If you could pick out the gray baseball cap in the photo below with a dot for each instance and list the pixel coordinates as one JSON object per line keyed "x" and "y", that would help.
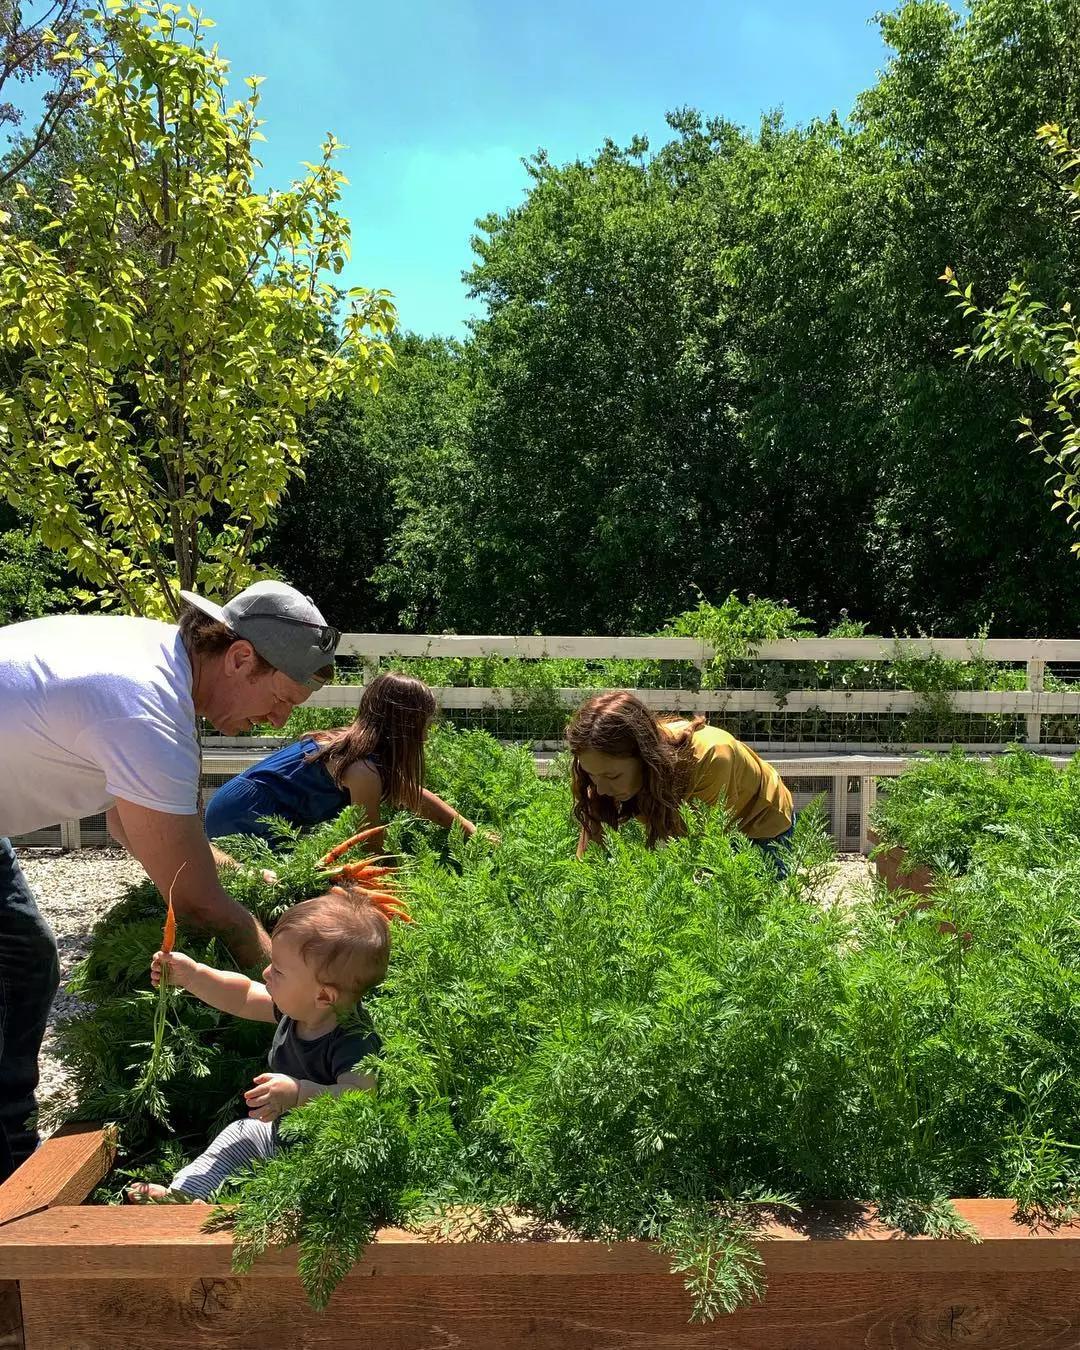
{"x": 283, "y": 626}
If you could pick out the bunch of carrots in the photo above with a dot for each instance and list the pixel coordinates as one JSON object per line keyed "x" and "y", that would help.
{"x": 366, "y": 877}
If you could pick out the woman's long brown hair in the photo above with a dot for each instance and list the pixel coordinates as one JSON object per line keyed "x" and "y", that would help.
{"x": 390, "y": 727}
{"x": 620, "y": 724}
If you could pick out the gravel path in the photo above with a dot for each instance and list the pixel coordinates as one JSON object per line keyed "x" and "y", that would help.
{"x": 74, "y": 890}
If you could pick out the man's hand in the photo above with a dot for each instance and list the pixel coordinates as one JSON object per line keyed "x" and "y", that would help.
{"x": 176, "y": 854}
{"x": 272, "y": 1095}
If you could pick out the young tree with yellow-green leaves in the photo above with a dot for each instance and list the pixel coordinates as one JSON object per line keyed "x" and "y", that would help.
{"x": 167, "y": 330}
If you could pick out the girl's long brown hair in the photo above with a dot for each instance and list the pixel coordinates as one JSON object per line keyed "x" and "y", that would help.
{"x": 390, "y": 728}
{"x": 620, "y": 724}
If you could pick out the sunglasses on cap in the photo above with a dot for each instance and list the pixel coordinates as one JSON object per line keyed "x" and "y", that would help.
{"x": 329, "y": 637}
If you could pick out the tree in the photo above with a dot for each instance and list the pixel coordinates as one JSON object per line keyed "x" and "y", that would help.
{"x": 729, "y": 362}
{"x": 30, "y": 49}
{"x": 382, "y": 518}
{"x": 30, "y": 578}
{"x": 166, "y": 345}
{"x": 1023, "y": 331}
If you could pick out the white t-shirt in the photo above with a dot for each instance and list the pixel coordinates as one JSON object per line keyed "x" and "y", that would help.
{"x": 93, "y": 708}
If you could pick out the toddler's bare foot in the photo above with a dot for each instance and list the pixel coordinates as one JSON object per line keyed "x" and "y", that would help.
{"x": 149, "y": 1193}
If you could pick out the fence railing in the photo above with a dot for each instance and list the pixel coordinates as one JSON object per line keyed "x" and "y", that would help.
{"x": 846, "y": 773}
{"x": 1032, "y": 703}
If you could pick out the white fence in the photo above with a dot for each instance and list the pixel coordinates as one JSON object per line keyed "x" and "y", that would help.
{"x": 847, "y": 774}
{"x": 1032, "y": 703}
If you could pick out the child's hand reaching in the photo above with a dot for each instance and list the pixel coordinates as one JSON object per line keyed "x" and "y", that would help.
{"x": 272, "y": 1095}
{"x": 180, "y": 968}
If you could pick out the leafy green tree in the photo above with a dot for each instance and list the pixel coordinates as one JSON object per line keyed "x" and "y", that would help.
{"x": 1024, "y": 332}
{"x": 30, "y": 44}
{"x": 30, "y": 578}
{"x": 381, "y": 518}
{"x": 727, "y": 362}
{"x": 168, "y": 340}
{"x": 606, "y": 441}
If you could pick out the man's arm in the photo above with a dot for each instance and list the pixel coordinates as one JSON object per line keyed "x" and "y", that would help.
{"x": 175, "y": 853}
{"x": 112, "y": 821}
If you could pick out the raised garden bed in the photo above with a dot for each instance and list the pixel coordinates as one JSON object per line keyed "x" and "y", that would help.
{"x": 897, "y": 873}
{"x": 76, "y": 1277}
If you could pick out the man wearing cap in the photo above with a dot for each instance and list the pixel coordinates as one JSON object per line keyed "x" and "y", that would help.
{"x": 99, "y": 713}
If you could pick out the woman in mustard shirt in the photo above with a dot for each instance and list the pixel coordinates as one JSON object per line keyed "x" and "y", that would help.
{"x": 629, "y": 764}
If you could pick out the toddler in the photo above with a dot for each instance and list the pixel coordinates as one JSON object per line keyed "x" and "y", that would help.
{"x": 326, "y": 954}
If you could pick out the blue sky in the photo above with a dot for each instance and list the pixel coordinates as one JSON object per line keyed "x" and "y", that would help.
{"x": 439, "y": 100}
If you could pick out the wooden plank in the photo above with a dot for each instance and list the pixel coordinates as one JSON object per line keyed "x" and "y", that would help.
{"x": 1036, "y": 675}
{"x": 70, "y": 834}
{"x": 11, "y": 1322}
{"x": 389, "y": 645}
{"x": 105, "y": 1242}
{"x": 791, "y": 760}
{"x": 377, "y": 645}
{"x": 867, "y": 801}
{"x": 838, "y": 813}
{"x": 215, "y": 756}
{"x": 63, "y": 1171}
{"x": 995, "y": 1311}
{"x": 1000, "y": 702}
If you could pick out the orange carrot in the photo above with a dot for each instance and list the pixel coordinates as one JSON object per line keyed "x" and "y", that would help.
{"x": 170, "y": 930}
{"x": 366, "y": 870}
{"x": 388, "y": 904}
{"x": 370, "y": 893}
{"x": 343, "y": 848}
{"x": 391, "y": 909}
{"x": 169, "y": 938}
{"x": 363, "y": 873}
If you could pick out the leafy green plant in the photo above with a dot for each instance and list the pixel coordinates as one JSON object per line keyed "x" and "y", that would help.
{"x": 734, "y": 628}
{"x": 947, "y": 810}
{"x": 1022, "y": 331}
{"x": 654, "y": 1044}
{"x": 29, "y": 579}
{"x": 167, "y": 330}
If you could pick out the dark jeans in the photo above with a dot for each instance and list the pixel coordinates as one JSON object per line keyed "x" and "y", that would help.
{"x": 772, "y": 848}
{"x": 29, "y": 977}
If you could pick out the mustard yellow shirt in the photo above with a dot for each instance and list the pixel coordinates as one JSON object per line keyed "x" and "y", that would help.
{"x": 728, "y": 771}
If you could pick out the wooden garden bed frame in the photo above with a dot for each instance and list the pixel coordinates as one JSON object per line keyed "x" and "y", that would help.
{"x": 76, "y": 1277}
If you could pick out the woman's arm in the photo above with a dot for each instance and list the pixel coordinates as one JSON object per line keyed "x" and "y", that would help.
{"x": 442, "y": 813}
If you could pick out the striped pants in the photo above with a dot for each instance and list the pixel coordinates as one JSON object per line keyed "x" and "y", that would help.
{"x": 235, "y": 1147}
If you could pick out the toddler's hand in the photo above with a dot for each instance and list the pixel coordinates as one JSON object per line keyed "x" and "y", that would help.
{"x": 272, "y": 1095}
{"x": 180, "y": 968}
